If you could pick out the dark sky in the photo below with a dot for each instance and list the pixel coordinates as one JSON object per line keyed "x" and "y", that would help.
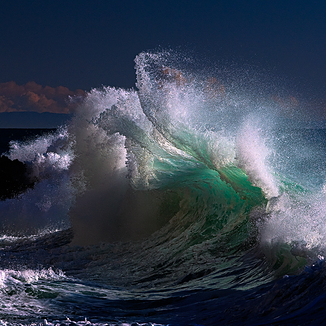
{"x": 85, "y": 44}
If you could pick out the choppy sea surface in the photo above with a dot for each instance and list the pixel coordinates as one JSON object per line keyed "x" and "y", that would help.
{"x": 192, "y": 199}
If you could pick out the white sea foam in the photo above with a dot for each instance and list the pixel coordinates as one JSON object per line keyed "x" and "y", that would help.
{"x": 253, "y": 155}
{"x": 297, "y": 219}
{"x": 9, "y": 278}
{"x": 48, "y": 159}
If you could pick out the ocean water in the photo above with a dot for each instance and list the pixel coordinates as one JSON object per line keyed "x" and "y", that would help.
{"x": 187, "y": 200}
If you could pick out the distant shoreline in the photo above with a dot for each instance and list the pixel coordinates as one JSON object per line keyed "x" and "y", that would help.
{"x": 33, "y": 120}
{"x": 19, "y": 128}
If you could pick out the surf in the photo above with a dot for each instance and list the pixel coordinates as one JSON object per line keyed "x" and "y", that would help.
{"x": 186, "y": 183}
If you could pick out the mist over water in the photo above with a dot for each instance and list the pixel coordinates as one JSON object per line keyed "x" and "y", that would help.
{"x": 191, "y": 183}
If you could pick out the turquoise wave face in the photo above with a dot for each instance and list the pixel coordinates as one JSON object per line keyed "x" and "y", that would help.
{"x": 216, "y": 206}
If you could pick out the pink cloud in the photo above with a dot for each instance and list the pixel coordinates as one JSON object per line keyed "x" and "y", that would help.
{"x": 35, "y": 97}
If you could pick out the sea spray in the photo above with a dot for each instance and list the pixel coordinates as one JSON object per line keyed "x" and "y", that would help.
{"x": 48, "y": 159}
{"x": 132, "y": 145}
{"x": 253, "y": 155}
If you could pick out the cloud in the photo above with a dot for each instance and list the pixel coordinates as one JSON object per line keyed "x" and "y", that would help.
{"x": 36, "y": 98}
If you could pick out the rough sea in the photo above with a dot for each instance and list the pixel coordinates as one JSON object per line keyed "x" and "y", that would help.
{"x": 192, "y": 199}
